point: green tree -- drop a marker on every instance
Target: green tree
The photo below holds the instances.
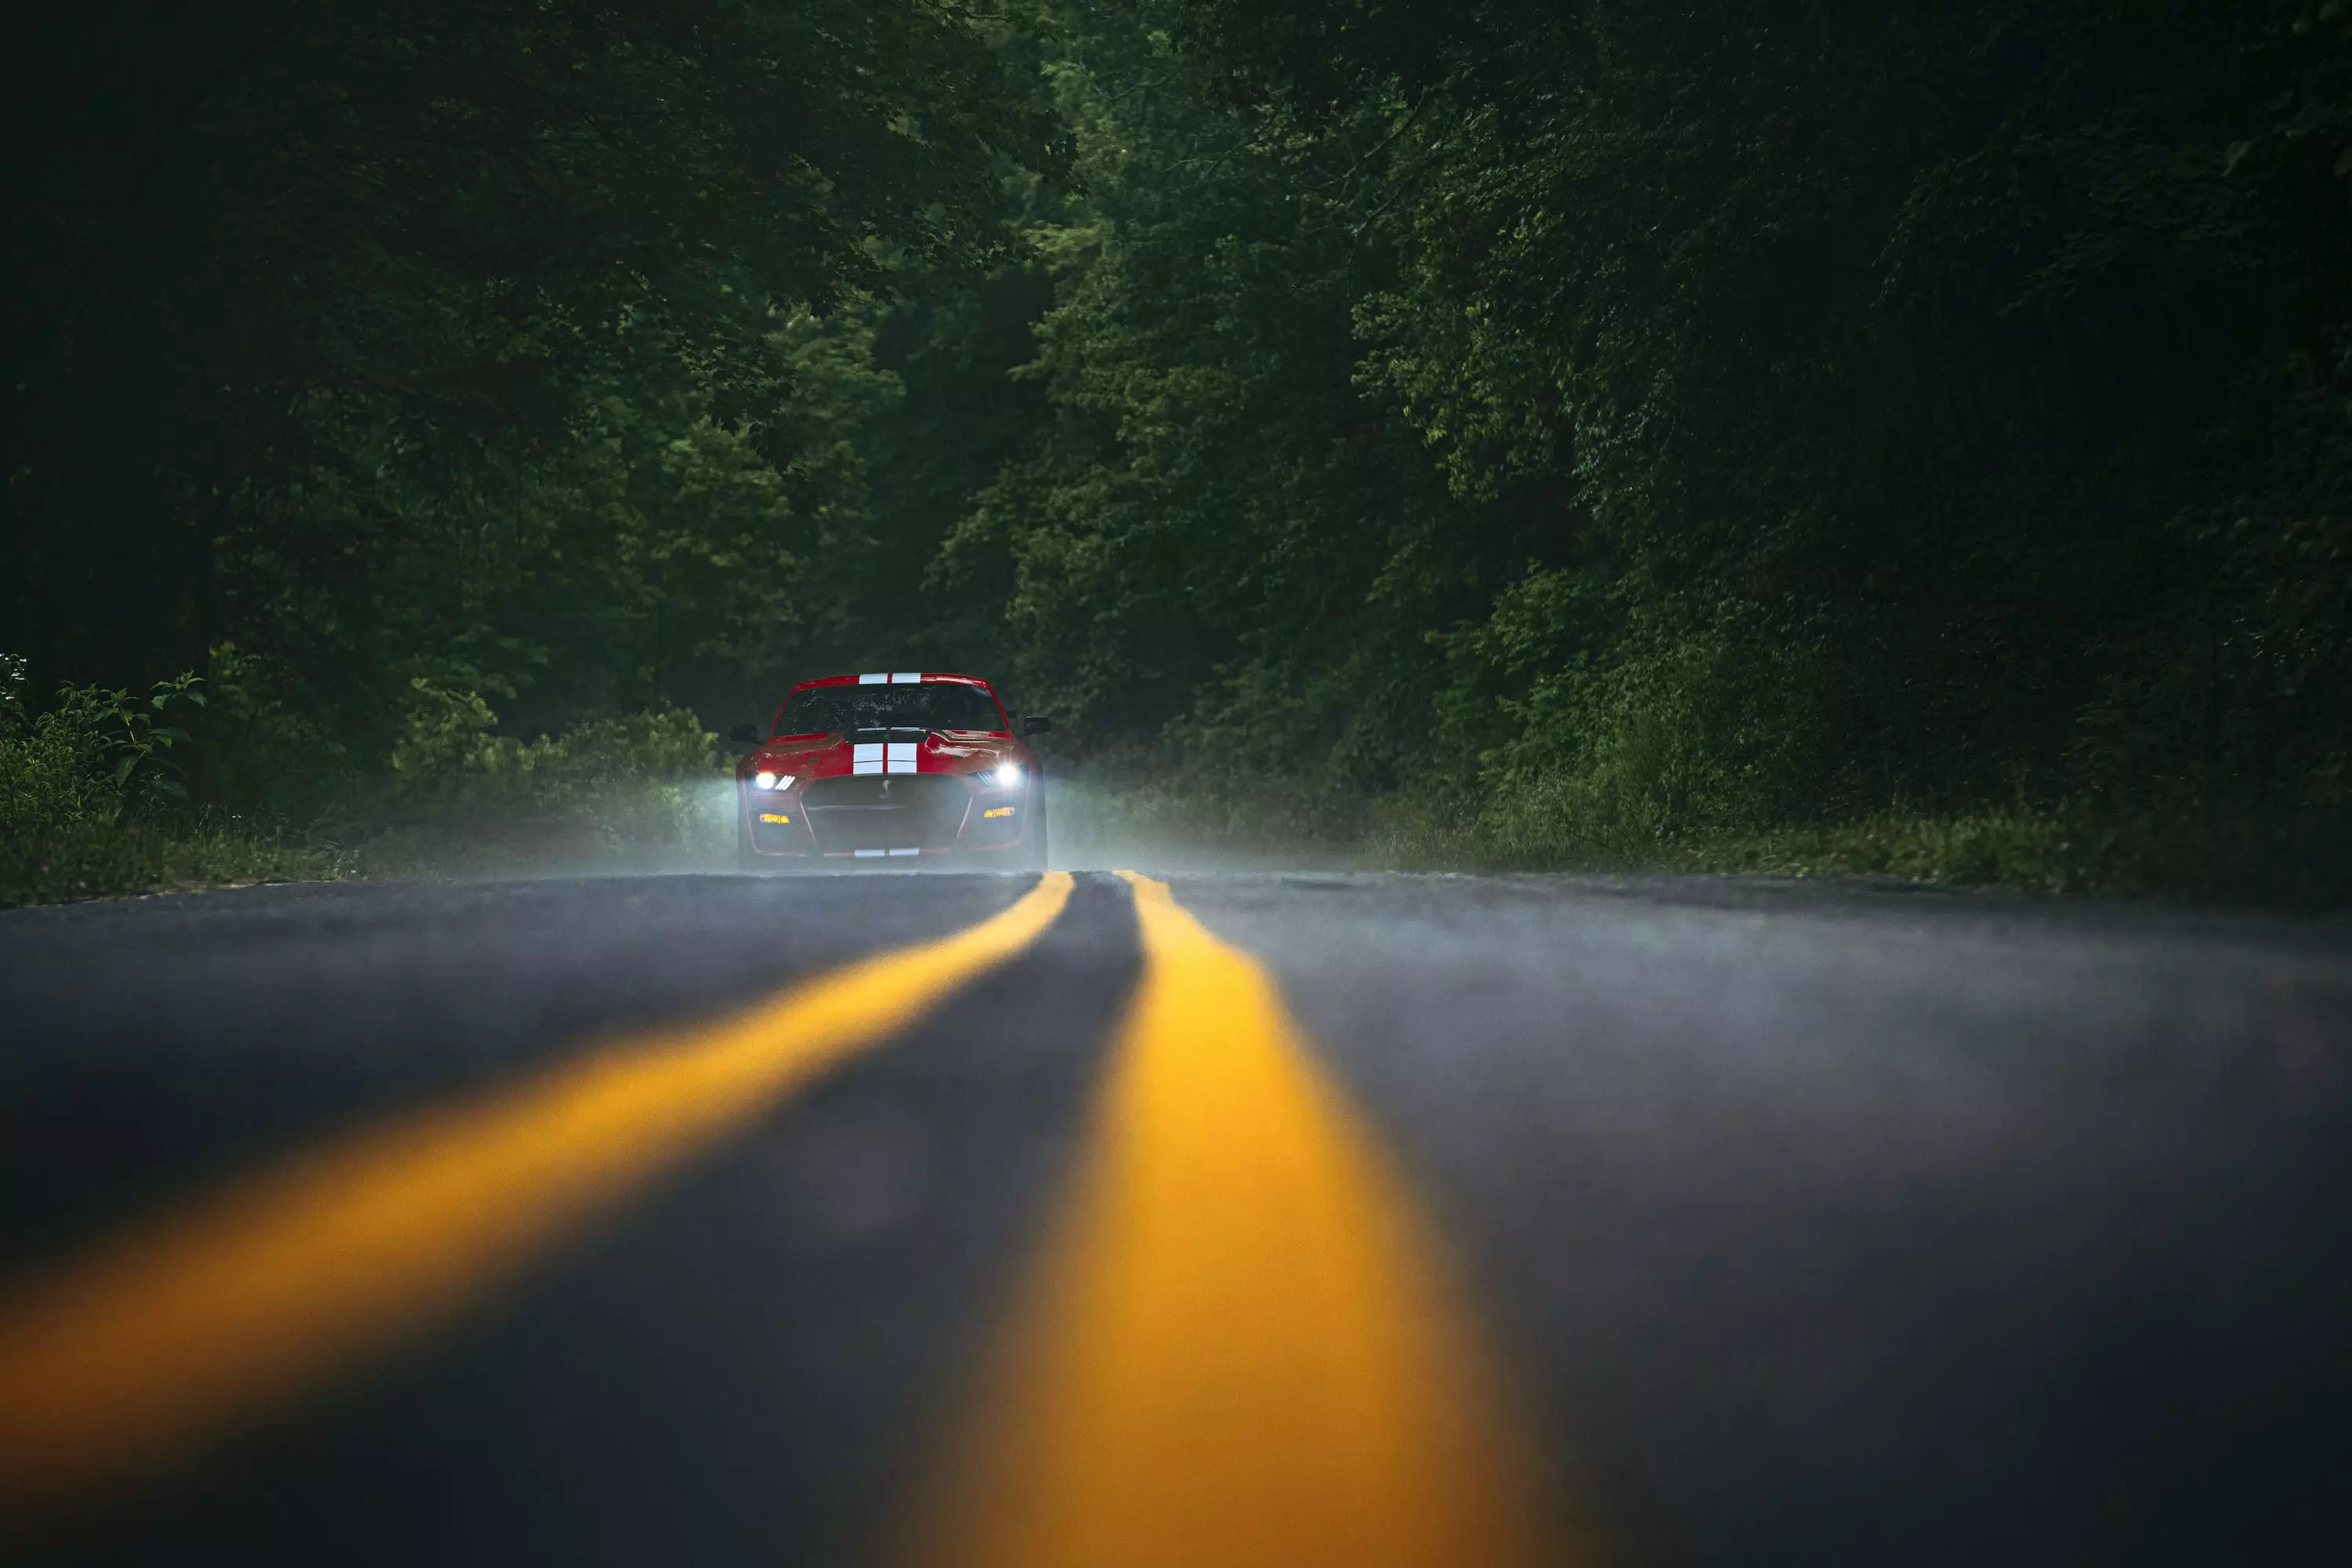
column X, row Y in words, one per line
column 352, row 332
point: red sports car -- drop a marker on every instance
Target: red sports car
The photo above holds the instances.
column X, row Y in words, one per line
column 896, row 769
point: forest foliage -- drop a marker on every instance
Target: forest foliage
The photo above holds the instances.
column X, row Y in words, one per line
column 1742, row 433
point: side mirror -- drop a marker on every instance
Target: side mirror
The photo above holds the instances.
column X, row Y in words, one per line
column 744, row 734
column 1036, row 724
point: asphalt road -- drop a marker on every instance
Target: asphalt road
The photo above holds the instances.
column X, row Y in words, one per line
column 1791, row 1224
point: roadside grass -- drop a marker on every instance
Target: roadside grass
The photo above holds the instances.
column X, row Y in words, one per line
column 182, row 852
column 643, row 826
column 2280, row 860
column 99, row 860
column 1104, row 818
column 94, row 801
column 2286, row 858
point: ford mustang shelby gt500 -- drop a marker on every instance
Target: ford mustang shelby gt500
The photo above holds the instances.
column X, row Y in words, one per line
column 897, row 768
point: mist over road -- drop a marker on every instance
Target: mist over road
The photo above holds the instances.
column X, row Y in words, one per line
column 713, row 1217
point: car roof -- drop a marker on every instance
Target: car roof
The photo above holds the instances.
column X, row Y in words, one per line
column 894, row 677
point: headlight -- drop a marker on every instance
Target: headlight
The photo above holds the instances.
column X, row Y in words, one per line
column 1004, row 776
column 763, row 779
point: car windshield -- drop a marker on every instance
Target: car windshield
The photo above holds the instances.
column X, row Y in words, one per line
column 933, row 705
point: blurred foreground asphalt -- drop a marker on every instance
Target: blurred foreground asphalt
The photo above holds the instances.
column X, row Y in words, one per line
column 1809, row 1224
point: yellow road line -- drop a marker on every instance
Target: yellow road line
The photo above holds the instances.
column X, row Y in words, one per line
column 256, row 1295
column 1240, row 1350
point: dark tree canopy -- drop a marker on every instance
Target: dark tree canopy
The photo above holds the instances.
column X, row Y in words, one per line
column 306, row 290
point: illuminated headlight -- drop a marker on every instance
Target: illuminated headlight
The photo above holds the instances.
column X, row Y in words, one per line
column 763, row 779
column 1004, row 776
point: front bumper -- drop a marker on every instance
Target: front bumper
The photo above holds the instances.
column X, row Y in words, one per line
column 895, row 820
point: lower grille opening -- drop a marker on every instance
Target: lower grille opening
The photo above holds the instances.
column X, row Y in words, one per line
column 905, row 811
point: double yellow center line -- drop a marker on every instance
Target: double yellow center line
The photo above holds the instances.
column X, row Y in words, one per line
column 1239, row 1348
column 255, row 1297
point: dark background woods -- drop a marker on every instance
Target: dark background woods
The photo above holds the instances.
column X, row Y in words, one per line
column 1913, row 437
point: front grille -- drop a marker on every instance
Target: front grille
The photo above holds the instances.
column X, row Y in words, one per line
column 900, row 811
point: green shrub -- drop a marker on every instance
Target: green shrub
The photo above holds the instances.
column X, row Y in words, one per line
column 92, row 804
column 53, row 777
column 2282, row 859
column 639, row 789
column 1108, row 816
